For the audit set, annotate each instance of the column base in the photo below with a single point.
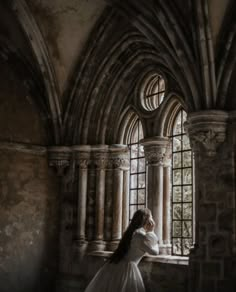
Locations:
(165, 249)
(112, 245)
(80, 245)
(96, 245)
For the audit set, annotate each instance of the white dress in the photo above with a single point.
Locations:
(125, 275)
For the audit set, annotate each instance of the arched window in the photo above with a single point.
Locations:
(137, 198)
(182, 188)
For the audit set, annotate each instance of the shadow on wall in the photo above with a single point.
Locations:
(28, 195)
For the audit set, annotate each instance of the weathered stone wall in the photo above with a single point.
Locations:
(213, 260)
(28, 223)
(19, 117)
(28, 193)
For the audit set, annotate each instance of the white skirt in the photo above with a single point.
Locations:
(122, 277)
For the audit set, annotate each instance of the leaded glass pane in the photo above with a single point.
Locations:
(133, 197)
(187, 176)
(187, 193)
(134, 181)
(177, 125)
(177, 160)
(187, 242)
(134, 151)
(177, 177)
(177, 194)
(177, 246)
(187, 211)
(187, 228)
(176, 228)
(141, 196)
(187, 158)
(177, 143)
(134, 166)
(141, 151)
(141, 165)
(186, 143)
(141, 180)
(177, 211)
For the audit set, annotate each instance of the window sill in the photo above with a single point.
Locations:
(167, 259)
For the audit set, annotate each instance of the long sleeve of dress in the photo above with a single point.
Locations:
(148, 242)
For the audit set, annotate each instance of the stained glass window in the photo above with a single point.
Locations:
(182, 188)
(137, 170)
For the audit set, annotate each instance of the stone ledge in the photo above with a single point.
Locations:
(167, 259)
(23, 147)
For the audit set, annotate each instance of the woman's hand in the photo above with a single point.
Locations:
(150, 225)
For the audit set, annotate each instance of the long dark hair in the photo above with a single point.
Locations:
(139, 219)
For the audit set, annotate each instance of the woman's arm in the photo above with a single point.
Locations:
(150, 244)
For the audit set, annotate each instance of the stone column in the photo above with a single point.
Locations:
(125, 205)
(212, 260)
(100, 160)
(167, 201)
(82, 157)
(155, 149)
(60, 158)
(120, 162)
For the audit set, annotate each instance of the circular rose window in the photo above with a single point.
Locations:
(152, 92)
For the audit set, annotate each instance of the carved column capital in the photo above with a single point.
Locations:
(119, 157)
(82, 155)
(59, 158)
(206, 130)
(100, 156)
(122, 163)
(155, 149)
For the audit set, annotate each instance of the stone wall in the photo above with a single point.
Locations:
(28, 223)
(28, 192)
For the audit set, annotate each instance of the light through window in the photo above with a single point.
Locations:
(153, 92)
(137, 198)
(182, 188)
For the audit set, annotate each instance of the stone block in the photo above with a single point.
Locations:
(226, 285)
(217, 245)
(211, 270)
(208, 286)
(207, 212)
(225, 220)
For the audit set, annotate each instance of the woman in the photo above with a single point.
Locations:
(121, 273)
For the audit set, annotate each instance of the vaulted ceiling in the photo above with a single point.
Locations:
(82, 59)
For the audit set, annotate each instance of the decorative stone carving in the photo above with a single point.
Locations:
(122, 163)
(101, 163)
(155, 149)
(210, 140)
(59, 158)
(83, 163)
(82, 155)
(206, 130)
(154, 155)
(119, 156)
